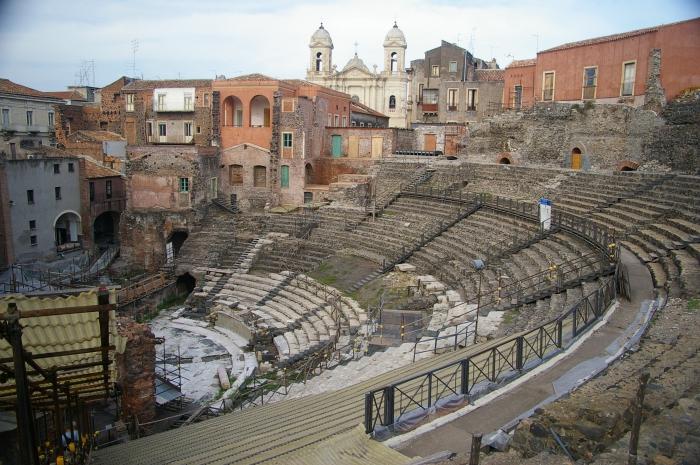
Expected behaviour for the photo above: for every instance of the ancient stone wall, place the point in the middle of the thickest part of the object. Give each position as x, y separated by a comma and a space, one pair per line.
136, 371
608, 136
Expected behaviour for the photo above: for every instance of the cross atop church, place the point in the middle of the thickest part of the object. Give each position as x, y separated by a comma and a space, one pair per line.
356, 44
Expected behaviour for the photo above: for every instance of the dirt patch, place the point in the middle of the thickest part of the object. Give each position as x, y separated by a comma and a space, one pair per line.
343, 271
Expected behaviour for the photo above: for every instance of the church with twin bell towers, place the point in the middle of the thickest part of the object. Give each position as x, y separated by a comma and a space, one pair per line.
384, 91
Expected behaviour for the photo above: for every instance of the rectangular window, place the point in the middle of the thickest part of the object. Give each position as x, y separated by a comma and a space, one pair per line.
259, 176
453, 66
435, 71
336, 121
32, 225
184, 184
149, 128
5, 117
161, 130
57, 192
451, 99
330, 120
287, 105
188, 129
161, 102
30, 197
345, 121
30, 118
287, 140
590, 81
206, 100
71, 168
199, 130
518, 97
548, 86
51, 122
56, 168
420, 93
284, 176
188, 102
472, 99
33, 240
430, 96
108, 189
92, 191
129, 102
628, 75
235, 174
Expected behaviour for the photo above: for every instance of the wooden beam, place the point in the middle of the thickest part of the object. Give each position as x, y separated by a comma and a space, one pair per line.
61, 311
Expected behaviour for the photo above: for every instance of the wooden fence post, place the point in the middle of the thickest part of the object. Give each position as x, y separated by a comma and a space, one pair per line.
476, 449
637, 419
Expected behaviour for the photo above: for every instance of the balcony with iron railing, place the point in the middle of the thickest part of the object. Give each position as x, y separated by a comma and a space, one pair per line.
170, 139
589, 92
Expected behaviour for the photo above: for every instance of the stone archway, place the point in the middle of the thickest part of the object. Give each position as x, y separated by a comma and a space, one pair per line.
185, 284
576, 159
259, 112
105, 228
504, 159
174, 244
627, 165
66, 229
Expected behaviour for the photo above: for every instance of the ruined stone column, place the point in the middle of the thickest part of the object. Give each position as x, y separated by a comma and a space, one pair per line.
136, 371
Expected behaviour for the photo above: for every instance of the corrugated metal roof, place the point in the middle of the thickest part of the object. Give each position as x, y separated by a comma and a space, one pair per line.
48, 334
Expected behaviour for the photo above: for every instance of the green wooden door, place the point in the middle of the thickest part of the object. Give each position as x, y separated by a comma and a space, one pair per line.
284, 178
336, 146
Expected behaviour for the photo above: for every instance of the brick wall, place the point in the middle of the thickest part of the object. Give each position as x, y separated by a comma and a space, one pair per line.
136, 371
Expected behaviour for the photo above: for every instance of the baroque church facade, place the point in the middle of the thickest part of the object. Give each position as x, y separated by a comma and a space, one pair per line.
384, 91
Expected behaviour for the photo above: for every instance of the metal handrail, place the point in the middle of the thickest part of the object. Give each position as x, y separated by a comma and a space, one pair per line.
503, 360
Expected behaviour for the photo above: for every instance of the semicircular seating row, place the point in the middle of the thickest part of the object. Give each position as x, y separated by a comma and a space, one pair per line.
292, 307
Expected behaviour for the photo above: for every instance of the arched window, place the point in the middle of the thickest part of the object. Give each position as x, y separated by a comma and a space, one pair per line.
319, 61
259, 176
392, 102
259, 112
394, 62
233, 112
308, 174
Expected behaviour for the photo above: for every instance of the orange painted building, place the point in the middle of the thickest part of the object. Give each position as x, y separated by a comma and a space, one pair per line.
247, 101
610, 69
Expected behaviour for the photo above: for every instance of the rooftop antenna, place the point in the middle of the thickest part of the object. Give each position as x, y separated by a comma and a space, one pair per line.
134, 48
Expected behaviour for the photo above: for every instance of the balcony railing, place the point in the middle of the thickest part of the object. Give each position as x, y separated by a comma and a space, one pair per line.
451, 107
430, 107
548, 94
173, 139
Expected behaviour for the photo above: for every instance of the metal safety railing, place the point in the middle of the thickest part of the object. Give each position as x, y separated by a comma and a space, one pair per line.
465, 379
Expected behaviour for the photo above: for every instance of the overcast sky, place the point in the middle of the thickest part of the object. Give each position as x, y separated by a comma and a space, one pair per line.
44, 43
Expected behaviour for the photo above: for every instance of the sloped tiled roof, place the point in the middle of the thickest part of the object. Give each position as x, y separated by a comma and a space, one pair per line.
66, 94
612, 37
252, 77
142, 84
490, 75
9, 87
95, 136
522, 63
48, 334
357, 107
94, 169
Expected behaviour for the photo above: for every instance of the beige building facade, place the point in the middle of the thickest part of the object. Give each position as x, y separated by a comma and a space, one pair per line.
384, 91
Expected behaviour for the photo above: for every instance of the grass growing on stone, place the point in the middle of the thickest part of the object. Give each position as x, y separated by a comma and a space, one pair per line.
693, 304
172, 301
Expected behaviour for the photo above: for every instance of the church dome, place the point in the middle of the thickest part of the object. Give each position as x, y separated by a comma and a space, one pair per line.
395, 37
321, 38
356, 62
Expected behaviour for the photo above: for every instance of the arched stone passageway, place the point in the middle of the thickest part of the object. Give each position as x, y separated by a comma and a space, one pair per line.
174, 244
66, 228
627, 165
308, 174
185, 284
105, 229
259, 112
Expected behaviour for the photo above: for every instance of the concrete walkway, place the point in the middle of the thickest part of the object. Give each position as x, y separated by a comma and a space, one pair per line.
456, 435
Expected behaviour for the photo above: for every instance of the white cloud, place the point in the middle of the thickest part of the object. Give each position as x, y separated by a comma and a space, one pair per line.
42, 43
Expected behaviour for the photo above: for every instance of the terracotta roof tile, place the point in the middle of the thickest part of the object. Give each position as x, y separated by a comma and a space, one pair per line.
357, 107
66, 94
141, 84
9, 87
492, 75
96, 136
251, 77
522, 63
